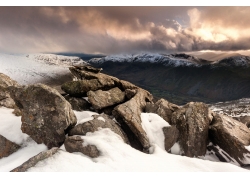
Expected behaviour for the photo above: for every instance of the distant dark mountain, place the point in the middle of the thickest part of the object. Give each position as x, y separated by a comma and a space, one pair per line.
181, 78
82, 55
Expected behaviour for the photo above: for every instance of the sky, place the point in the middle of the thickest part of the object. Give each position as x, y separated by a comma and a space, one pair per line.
124, 29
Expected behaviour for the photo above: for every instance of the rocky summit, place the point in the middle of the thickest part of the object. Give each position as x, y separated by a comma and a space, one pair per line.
48, 118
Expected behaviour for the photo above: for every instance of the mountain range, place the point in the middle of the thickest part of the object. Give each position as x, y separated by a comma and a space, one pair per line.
181, 78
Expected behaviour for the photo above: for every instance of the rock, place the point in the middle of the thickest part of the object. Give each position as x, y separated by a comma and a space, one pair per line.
101, 99
46, 115
99, 121
7, 147
78, 104
88, 68
245, 120
163, 108
106, 81
75, 144
130, 113
220, 153
171, 135
5, 99
192, 121
80, 88
130, 93
34, 160
231, 136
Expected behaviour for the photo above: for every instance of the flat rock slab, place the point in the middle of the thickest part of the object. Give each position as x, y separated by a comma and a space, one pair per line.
232, 136
34, 160
101, 99
171, 135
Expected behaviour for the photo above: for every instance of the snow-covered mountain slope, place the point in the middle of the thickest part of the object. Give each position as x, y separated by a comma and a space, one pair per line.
168, 60
33, 68
174, 60
236, 108
115, 154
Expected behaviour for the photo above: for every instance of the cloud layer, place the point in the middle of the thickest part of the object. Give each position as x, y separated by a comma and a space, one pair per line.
123, 29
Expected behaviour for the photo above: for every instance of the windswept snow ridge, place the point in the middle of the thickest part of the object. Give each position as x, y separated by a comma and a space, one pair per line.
34, 68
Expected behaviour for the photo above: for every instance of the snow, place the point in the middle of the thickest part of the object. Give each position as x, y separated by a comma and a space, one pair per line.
152, 125
118, 156
115, 154
34, 68
84, 116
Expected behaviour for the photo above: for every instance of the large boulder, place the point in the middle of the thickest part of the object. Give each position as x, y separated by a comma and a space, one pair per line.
7, 147
171, 135
46, 115
232, 136
78, 103
192, 121
36, 159
101, 99
99, 121
5, 99
130, 113
163, 108
75, 144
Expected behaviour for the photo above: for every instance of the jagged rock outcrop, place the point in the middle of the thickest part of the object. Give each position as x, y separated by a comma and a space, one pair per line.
75, 144
163, 108
7, 147
171, 135
5, 99
130, 93
34, 160
130, 113
78, 104
101, 99
46, 115
99, 121
88, 68
192, 121
230, 135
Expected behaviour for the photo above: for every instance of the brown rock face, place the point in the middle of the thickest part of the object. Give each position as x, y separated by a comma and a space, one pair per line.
78, 104
7, 147
75, 144
230, 135
101, 99
34, 160
5, 99
245, 120
99, 121
171, 135
46, 115
163, 108
130, 113
192, 121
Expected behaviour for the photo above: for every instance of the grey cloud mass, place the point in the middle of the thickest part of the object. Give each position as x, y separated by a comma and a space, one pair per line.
123, 29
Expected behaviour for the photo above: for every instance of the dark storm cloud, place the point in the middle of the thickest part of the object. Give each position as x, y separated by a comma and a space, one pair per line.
123, 29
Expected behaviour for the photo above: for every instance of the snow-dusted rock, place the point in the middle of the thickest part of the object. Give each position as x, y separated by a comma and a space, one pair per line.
101, 99
46, 115
232, 136
163, 108
76, 144
99, 121
5, 99
192, 121
36, 159
7, 147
